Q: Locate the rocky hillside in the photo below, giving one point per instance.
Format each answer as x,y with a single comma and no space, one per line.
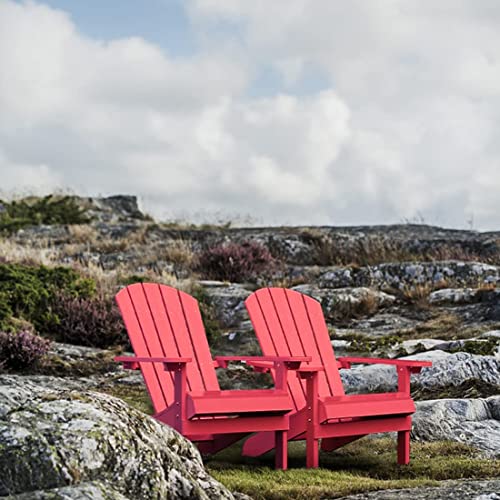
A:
403,290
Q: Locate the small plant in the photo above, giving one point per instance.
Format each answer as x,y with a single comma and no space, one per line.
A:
19,350
33,212
236,262
208,314
92,322
27,292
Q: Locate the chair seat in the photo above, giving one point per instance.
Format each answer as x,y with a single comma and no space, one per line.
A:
366,405
244,402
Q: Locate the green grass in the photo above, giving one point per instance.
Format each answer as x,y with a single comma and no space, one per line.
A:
366,465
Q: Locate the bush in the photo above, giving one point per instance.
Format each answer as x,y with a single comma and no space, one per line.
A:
92,322
28,292
208,315
46,210
236,262
21,350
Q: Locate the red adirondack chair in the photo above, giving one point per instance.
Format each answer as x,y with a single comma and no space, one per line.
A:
288,323
171,349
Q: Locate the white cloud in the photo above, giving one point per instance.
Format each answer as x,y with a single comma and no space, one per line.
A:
410,124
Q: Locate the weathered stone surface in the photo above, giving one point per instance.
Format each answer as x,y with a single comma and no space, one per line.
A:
95,490
331,299
450,490
463,296
475,422
447,370
52,435
382,324
406,274
229,303
412,346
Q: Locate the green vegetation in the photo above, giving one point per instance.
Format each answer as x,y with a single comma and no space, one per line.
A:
366,465
486,347
212,325
50,209
27,293
472,388
135,395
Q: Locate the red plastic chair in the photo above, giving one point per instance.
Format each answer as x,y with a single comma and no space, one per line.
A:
288,323
171,349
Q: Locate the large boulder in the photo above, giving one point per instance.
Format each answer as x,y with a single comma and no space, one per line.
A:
475,422
53,436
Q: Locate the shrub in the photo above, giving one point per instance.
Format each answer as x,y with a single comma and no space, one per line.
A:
208,315
92,322
27,292
21,350
236,262
47,210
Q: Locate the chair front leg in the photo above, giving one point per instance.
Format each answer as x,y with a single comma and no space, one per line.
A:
281,457
312,442
180,392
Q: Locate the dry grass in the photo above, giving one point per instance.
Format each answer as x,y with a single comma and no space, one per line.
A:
82,234
41,253
418,294
180,252
375,249
345,310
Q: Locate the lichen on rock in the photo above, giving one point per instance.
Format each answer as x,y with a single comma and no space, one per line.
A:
57,437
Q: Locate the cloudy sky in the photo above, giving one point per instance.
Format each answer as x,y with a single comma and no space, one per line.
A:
281,111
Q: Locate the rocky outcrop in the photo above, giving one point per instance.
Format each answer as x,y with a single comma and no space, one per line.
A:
450,490
475,422
407,274
95,490
447,370
54,436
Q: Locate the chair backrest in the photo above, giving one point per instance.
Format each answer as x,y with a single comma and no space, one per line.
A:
289,323
164,322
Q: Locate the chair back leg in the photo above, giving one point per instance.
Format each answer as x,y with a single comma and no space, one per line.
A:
403,447
281,457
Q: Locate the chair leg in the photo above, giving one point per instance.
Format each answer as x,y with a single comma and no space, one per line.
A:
281,457
312,451
403,447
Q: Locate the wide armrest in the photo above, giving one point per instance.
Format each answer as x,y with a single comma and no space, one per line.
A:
346,362
133,362
310,371
264,362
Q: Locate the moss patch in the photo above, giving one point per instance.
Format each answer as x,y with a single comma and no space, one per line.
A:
135,395
469,389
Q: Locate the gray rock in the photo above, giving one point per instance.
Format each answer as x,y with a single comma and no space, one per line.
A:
330,299
408,274
450,490
52,436
414,345
475,422
382,324
453,295
229,304
447,370
463,296
95,490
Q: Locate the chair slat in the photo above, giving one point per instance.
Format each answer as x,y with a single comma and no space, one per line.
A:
137,319
268,330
